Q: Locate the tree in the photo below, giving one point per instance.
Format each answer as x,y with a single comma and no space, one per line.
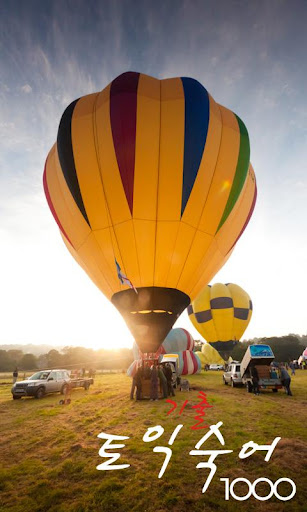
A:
6,364
15,355
54,359
28,362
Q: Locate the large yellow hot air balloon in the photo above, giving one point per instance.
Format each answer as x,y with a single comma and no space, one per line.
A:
151,186
221,313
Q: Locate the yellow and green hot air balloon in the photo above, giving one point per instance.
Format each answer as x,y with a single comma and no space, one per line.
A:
151,186
210,355
221,313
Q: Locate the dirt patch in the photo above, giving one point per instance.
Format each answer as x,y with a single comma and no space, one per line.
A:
291,453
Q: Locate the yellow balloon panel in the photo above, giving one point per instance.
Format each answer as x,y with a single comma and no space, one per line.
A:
224,173
166,237
146,166
171,150
83,135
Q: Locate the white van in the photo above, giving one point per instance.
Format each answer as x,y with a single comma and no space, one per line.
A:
173,359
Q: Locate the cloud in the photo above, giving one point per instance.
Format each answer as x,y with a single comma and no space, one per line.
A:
27,89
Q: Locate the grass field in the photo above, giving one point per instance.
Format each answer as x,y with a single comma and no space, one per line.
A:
49,452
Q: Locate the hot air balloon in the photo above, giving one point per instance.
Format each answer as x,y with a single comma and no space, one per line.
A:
150,184
189,362
221,313
209,355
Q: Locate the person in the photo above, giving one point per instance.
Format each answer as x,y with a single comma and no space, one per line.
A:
15,375
154,383
147,372
169,377
255,379
285,380
292,367
133,387
163,381
138,383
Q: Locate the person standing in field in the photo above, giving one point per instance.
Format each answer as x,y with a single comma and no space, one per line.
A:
15,375
163,381
285,380
138,383
169,377
154,382
255,379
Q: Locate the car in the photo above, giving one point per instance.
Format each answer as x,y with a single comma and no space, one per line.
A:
260,357
47,381
232,374
216,367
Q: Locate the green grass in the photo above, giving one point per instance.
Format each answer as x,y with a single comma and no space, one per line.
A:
49,452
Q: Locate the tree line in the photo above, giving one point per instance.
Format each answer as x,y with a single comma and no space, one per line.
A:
285,348
68,357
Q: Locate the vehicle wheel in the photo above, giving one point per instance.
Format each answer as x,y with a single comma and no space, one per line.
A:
249,387
64,389
40,393
274,390
15,397
225,381
232,384
86,386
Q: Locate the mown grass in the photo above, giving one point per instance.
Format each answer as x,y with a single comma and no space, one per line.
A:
49,452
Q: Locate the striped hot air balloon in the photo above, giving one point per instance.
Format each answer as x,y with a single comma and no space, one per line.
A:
221,313
189,362
151,186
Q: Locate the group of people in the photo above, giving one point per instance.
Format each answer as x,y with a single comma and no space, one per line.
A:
157,375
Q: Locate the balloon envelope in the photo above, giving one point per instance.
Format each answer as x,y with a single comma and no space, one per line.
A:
221,313
150,184
189,362
210,355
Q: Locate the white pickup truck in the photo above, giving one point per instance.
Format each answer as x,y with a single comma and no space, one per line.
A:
48,381
260,356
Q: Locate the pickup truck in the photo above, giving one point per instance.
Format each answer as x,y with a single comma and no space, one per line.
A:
260,356
216,367
48,381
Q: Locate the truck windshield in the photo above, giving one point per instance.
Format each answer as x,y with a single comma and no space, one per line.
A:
40,376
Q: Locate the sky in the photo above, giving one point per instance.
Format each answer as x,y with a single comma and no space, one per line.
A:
251,56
